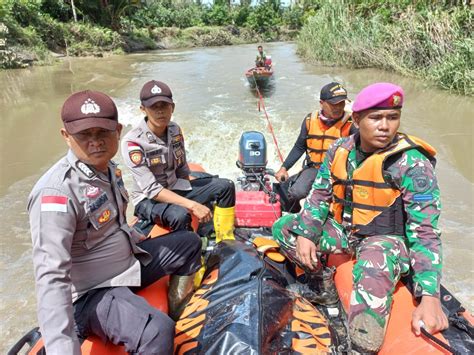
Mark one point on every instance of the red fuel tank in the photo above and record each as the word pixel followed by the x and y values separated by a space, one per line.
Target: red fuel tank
pixel 254 209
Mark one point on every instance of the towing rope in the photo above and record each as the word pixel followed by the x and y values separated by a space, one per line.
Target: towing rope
pixel 261 104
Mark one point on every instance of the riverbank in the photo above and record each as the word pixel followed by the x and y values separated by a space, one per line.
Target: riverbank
pixel 99 43
pixel 431 40
pixel 35 32
pixel 428 39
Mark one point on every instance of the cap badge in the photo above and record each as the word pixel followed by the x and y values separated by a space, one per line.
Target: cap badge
pixel 156 90
pixel 339 91
pixel 396 100
pixel 90 106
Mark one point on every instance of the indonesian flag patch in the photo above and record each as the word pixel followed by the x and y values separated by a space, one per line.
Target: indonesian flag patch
pixel 135 153
pixel 54 204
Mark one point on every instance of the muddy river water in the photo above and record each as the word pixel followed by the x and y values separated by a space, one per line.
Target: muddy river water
pixel 214 105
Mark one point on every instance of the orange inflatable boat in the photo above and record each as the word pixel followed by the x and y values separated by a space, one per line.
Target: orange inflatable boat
pixel 400 338
pixel 309 330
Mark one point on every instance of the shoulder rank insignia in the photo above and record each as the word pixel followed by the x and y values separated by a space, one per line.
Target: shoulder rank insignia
pixel 85 169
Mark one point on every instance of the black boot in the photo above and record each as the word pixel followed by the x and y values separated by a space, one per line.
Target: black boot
pixel 180 292
pixel 319 287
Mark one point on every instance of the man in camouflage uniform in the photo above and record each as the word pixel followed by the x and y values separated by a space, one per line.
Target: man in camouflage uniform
pixel 397 234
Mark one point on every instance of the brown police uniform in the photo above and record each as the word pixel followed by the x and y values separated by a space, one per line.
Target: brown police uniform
pixel 160 162
pixel 84 252
pixel 155 162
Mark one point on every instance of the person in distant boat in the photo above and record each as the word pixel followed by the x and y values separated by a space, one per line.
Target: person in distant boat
pixel 318 131
pixel 376 195
pixel 162 191
pixel 88 262
pixel 261 59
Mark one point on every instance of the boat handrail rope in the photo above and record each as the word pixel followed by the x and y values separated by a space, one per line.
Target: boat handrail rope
pixel 439 342
pixel 261 103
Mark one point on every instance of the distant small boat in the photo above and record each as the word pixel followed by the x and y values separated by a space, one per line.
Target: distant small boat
pixel 259 76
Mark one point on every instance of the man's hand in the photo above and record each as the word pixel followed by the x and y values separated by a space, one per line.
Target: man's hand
pixel 429 311
pixel 202 213
pixel 282 175
pixel 306 252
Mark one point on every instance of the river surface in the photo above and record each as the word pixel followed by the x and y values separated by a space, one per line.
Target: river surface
pixel 214 105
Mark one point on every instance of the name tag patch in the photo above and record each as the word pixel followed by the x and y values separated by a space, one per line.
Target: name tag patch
pixel 422 198
pixel 97 203
pixel 156 161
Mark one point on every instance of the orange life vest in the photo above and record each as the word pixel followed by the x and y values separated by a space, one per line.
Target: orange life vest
pixel 320 136
pixel 376 204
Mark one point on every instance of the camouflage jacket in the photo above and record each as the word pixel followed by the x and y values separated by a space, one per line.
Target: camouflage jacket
pixel 414 174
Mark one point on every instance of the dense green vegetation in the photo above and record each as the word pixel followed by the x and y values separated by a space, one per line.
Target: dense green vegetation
pixel 92 27
pixel 428 39
pixel 431 39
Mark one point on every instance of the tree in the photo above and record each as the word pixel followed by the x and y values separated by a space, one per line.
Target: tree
pixel 74 15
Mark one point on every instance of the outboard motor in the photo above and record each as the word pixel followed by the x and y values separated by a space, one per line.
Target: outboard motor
pixel 253 160
pixel 252 152
pixel 256 204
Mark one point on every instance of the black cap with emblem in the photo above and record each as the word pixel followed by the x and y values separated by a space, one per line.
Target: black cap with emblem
pixel 333 93
pixel 154 91
pixel 88 109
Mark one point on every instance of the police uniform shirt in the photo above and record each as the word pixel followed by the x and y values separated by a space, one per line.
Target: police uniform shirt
pixel 81 241
pixel 155 163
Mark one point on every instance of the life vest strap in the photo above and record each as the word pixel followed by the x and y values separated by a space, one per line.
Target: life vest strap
pixel 342 182
pixel 312 150
pixel 359 205
pixel 337 181
pixel 379 185
pixel 316 150
pixel 312 164
pixel 321 136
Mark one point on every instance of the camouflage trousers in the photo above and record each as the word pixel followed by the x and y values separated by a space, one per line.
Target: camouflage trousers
pixel 380 261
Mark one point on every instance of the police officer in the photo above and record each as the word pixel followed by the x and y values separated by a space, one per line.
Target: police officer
pixel 318 131
pixel 87 260
pixel 376 194
pixel 162 192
